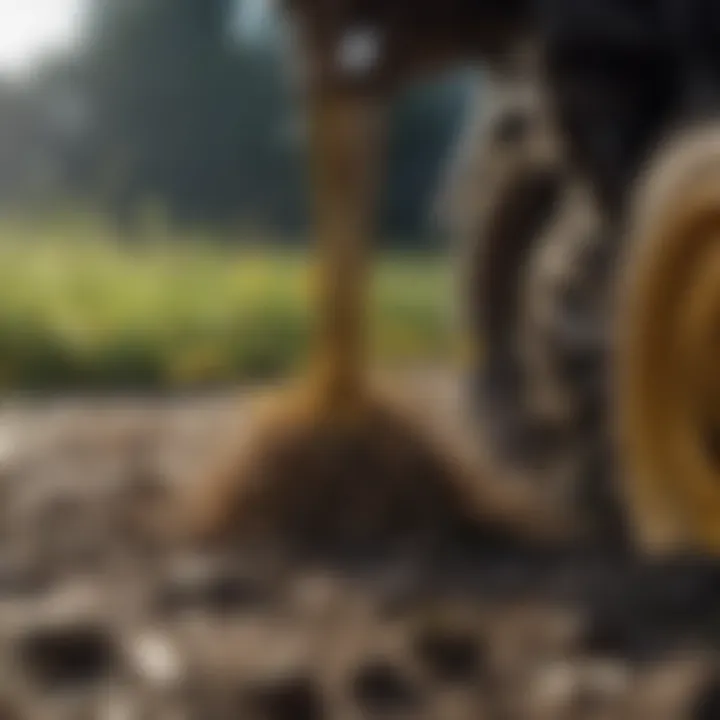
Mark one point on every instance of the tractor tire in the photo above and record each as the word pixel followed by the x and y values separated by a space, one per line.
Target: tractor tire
pixel 535 261
pixel 666 384
pixel 564 332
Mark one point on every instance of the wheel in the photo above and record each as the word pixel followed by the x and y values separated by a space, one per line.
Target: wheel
pixel 563 344
pixel 534 263
pixel 532 268
pixel 666 359
pixel 502 193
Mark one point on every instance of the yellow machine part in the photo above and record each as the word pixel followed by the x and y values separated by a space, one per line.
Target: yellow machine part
pixel 667 350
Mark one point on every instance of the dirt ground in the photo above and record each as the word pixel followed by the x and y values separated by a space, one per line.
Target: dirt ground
pixel 97 622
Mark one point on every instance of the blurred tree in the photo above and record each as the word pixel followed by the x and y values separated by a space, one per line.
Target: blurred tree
pixel 183 115
pixel 187 104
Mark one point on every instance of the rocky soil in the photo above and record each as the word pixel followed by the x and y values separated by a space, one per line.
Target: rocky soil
pixel 97 621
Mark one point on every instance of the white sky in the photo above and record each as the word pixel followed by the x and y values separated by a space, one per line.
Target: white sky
pixel 30 28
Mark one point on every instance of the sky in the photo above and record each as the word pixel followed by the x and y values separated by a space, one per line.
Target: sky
pixel 30 28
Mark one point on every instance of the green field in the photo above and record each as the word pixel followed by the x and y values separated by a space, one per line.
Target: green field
pixel 78 309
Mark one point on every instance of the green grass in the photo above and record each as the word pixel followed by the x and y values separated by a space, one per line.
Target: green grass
pixel 80 310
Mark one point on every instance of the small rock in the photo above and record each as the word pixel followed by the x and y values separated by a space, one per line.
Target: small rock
pixel 573 686
pixel 283 697
pixel 379 687
pixel 72 655
pixel 205 585
pixel 555 687
pixel 608 634
pixel 315 595
pixel 450 655
pixel 157 661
